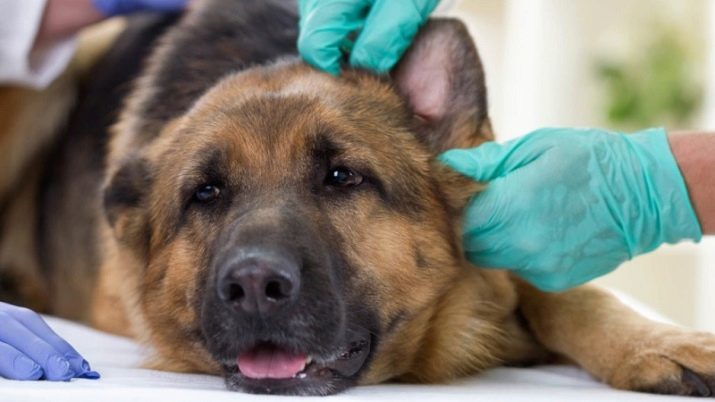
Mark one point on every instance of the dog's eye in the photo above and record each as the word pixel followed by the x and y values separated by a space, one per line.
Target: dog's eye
pixel 343 177
pixel 207 193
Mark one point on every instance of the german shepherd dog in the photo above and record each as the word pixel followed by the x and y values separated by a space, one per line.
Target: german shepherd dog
pixel 251 217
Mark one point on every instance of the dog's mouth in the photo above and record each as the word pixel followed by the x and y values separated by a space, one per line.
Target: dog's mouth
pixel 273 369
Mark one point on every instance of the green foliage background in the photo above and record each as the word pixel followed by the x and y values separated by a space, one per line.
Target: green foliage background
pixel 656 86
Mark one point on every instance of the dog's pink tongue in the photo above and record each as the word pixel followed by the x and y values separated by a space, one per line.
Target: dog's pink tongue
pixel 270 362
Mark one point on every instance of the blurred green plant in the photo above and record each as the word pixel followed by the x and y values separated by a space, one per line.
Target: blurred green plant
pixel 657 85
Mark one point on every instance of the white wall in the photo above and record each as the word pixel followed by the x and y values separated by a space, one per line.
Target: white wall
pixel 705 307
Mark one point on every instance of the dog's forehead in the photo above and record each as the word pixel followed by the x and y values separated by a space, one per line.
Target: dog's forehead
pixel 265 132
pixel 284 111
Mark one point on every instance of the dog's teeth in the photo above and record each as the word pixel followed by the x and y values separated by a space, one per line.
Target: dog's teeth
pixel 302 375
pixel 308 360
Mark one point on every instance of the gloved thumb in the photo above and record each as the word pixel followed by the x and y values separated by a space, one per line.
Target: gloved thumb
pixel 483 163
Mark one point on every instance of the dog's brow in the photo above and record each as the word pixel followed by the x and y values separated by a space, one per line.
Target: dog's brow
pixel 323 146
pixel 359 155
pixel 208 167
pixel 211 164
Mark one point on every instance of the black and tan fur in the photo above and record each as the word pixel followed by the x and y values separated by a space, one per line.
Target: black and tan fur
pixel 222 99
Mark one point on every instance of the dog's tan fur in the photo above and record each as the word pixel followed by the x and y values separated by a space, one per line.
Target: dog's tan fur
pixel 450 319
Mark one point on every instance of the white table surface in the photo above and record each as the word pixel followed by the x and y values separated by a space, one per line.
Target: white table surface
pixel 118 360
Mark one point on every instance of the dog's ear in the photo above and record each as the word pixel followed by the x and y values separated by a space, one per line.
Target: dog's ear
pixel 124 195
pixel 442 79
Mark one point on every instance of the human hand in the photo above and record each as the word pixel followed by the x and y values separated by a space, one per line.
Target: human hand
pixel 111 8
pixel 30 350
pixel 564 206
pixel 386 29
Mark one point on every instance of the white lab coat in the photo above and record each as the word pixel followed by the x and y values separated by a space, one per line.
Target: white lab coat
pixel 21 62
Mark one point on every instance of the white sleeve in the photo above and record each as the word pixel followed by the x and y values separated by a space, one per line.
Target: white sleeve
pixel 20 63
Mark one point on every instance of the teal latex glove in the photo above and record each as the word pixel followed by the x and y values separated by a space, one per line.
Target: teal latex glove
pixel 385 29
pixel 564 206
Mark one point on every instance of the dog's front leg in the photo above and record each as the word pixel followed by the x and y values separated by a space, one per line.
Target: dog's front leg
pixel 617 345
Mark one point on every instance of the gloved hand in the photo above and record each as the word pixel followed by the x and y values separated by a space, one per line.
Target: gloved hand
pixel 30 350
pixel 564 206
pixel 111 8
pixel 386 28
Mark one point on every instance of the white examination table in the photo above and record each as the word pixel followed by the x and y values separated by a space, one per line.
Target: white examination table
pixel 118 359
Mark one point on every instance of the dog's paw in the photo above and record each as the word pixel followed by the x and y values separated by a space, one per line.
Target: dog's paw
pixel 670 362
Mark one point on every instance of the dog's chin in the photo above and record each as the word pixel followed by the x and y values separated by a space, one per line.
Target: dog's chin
pixel 267 368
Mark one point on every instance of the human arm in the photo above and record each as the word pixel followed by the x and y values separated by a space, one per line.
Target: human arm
pixel 564 206
pixel 36 40
pixel 695 155
pixel 64 18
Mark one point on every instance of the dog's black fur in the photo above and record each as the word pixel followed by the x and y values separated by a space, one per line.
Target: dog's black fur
pixel 79 159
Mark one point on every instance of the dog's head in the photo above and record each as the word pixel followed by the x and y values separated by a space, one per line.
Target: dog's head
pixel 293 230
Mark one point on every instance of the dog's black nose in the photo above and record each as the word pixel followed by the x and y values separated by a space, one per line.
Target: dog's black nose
pixel 259 282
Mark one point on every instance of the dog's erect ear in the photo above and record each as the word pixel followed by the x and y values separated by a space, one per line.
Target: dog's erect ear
pixel 442 79
pixel 123 197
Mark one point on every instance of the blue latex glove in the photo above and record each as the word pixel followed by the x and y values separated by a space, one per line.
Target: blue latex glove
pixel 386 28
pixel 564 206
pixel 30 350
pixel 111 8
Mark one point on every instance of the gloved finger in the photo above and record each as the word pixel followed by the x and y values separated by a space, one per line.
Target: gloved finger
pixel 493 225
pixel 325 28
pixel 162 5
pixel 485 214
pixel 304 6
pixel 39 327
pixel 547 282
pixel 490 249
pixel 54 365
pixel 121 7
pixel 389 30
pixel 14 365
